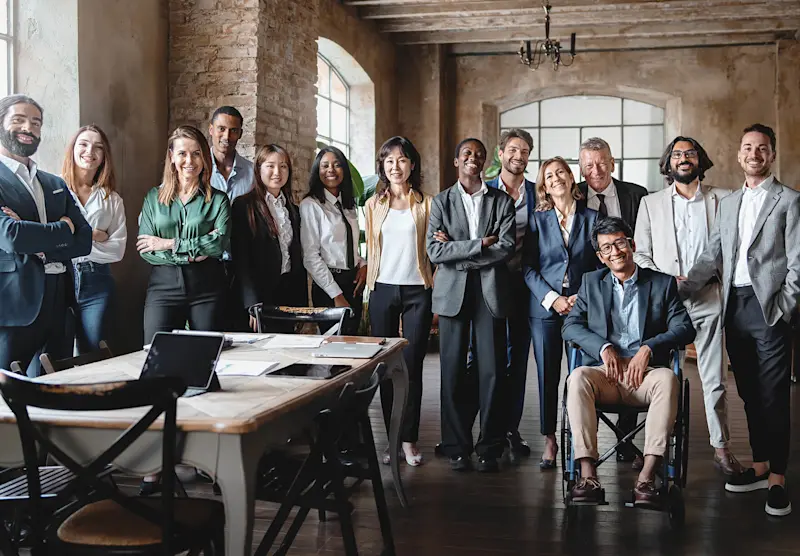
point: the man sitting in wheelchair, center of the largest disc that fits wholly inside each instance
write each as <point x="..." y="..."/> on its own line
<point x="626" y="321"/>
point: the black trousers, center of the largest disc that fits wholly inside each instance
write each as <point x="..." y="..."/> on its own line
<point x="387" y="305"/>
<point x="346" y="281"/>
<point x="548" y="347"/>
<point x="47" y="333"/>
<point x="193" y="292"/>
<point x="760" y="356"/>
<point x="489" y="343"/>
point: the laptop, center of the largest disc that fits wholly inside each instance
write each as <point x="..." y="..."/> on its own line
<point x="193" y="357"/>
<point x="342" y="350"/>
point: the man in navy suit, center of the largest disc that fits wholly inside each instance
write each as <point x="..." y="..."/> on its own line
<point x="41" y="231"/>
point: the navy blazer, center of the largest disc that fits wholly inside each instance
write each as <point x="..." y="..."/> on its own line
<point x="545" y="258"/>
<point x="664" y="323"/>
<point x="22" y="274"/>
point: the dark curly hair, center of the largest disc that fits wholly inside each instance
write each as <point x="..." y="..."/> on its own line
<point x="704" y="162"/>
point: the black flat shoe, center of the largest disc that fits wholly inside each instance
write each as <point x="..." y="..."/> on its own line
<point x="487" y="465"/>
<point x="547" y="464"/>
<point x="518" y="446"/>
<point x="459" y="463"/>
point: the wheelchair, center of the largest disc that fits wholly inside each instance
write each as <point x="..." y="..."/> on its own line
<point x="672" y="474"/>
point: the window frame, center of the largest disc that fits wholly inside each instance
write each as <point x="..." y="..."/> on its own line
<point x="619" y="158"/>
<point x="8" y="38"/>
<point x="328" y="98"/>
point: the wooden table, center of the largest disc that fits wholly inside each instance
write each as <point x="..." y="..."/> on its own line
<point x="223" y="433"/>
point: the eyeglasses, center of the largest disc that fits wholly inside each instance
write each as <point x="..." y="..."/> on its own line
<point x="621" y="244"/>
<point x="677" y="155"/>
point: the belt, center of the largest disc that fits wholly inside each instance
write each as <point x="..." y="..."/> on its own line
<point x="340" y="270"/>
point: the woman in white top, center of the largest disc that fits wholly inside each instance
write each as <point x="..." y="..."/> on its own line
<point x="89" y="173"/>
<point x="400" y="276"/>
<point x="329" y="235"/>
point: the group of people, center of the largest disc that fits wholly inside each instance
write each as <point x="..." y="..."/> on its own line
<point x="504" y="264"/>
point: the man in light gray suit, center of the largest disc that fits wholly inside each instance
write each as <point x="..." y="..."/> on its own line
<point x="672" y="232"/>
<point x="755" y="246"/>
<point x="471" y="237"/>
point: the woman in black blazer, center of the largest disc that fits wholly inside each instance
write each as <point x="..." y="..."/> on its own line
<point x="267" y="257"/>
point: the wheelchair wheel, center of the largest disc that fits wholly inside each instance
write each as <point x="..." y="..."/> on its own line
<point x="685" y="434"/>
<point x="676" y="507"/>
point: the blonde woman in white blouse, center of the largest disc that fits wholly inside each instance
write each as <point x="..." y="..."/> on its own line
<point x="89" y="173"/>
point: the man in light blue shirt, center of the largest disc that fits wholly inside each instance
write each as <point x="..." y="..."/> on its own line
<point x="232" y="173"/>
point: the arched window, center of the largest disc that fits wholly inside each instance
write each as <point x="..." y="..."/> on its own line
<point x="333" y="107"/>
<point x="633" y="129"/>
<point x="6" y="49"/>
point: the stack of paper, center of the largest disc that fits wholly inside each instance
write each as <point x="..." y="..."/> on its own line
<point x="237" y="367"/>
<point x="292" y="341"/>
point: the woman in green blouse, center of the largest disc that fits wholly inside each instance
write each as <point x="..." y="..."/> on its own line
<point x="183" y="231"/>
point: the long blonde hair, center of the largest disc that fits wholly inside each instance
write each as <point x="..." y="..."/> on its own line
<point x="104" y="177"/>
<point x="543" y="200"/>
<point x="169" y="181"/>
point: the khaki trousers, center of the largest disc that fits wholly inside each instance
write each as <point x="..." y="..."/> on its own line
<point x="587" y="386"/>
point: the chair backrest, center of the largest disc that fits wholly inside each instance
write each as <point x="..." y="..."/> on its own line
<point x="50" y="366"/>
<point x="159" y="394"/>
<point x="300" y="314"/>
<point x="353" y="405"/>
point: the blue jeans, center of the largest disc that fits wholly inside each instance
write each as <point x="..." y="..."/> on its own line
<point x="94" y="287"/>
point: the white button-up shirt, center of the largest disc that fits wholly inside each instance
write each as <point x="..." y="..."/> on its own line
<point x="565" y="225"/>
<point x="611" y="199"/>
<point x="691" y="227"/>
<point x="106" y="213"/>
<point x="472" y="206"/>
<point x="324" y="240"/>
<point x="280" y="214"/>
<point x="520" y="220"/>
<point x="752" y="201"/>
<point x="27" y="176"/>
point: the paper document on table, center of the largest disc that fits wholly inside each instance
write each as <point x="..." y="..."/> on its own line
<point x="236" y="367"/>
<point x="292" y="341"/>
<point x="245" y="338"/>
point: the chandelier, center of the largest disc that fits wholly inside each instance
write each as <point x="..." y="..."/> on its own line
<point x="548" y="49"/>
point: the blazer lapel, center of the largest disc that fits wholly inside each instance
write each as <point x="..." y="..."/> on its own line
<point x="606" y="291"/>
<point x="730" y="227"/>
<point x="460" y="215"/>
<point x="643" y="298"/>
<point x="487" y="206"/>
<point x="773" y="196"/>
<point x="625" y="203"/>
<point x="577" y="224"/>
<point x="711" y="208"/>
<point x="17" y="195"/>
<point x="668" y="214"/>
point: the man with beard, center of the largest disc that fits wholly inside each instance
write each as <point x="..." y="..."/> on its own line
<point x="471" y="237"/>
<point x="755" y="245"/>
<point x="514" y="150"/>
<point x="41" y="231"/>
<point x="672" y="232"/>
<point x="610" y="197"/>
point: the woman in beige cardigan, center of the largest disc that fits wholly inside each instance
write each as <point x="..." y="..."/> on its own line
<point x="399" y="274"/>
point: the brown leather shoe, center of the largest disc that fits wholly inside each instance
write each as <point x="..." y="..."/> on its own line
<point x="645" y="495"/>
<point x="588" y="490"/>
<point x="728" y="465"/>
<point x="637" y="463"/>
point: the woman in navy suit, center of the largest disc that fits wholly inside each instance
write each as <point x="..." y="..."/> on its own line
<point x="556" y="253"/>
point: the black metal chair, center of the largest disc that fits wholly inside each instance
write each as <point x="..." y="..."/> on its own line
<point x="92" y="517"/>
<point x="50" y="366"/>
<point x="317" y="315"/>
<point x="319" y="479"/>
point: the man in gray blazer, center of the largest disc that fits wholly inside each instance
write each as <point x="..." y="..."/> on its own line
<point x="671" y="233"/>
<point x="471" y="237"/>
<point x="755" y="246"/>
<point x="41" y="231"/>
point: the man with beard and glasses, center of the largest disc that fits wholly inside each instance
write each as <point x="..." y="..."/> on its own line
<point x="232" y="174"/>
<point x="41" y="231"/>
<point x="672" y="231"/>
<point x="755" y="245"/>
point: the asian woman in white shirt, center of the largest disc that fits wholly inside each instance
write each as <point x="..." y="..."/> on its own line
<point x="329" y="235"/>
<point x="88" y="171"/>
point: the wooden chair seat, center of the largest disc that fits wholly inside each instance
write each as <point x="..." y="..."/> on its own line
<point x="107" y="524"/>
<point x="53" y="479"/>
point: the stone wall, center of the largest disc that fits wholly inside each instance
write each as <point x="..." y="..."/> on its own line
<point x="709" y="93"/>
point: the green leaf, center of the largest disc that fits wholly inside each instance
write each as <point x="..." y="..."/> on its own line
<point x="358" y="181"/>
<point x="370" y="186"/>
<point x="496" y="165"/>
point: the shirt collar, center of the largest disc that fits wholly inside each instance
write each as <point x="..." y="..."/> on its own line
<point x="331" y="199"/>
<point x="697" y="194"/>
<point x="15" y="165"/>
<point x="484" y="188"/>
<point x="630" y="281"/>
<point x="761" y="187"/>
<point x="280" y="200"/>
<point x="610" y="191"/>
<point x="236" y="162"/>
<point x="502" y="187"/>
<point x="571" y="211"/>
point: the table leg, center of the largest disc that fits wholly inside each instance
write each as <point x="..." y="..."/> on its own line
<point x="398" y="373"/>
<point x="236" y="474"/>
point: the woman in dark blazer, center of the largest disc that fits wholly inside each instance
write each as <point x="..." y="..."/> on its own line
<point x="267" y="258"/>
<point x="557" y="251"/>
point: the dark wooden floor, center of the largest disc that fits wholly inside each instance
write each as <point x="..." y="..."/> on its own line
<point x="520" y="510"/>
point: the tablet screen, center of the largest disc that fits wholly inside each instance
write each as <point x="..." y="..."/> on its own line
<point x="189" y="356"/>
<point x="306" y="370"/>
